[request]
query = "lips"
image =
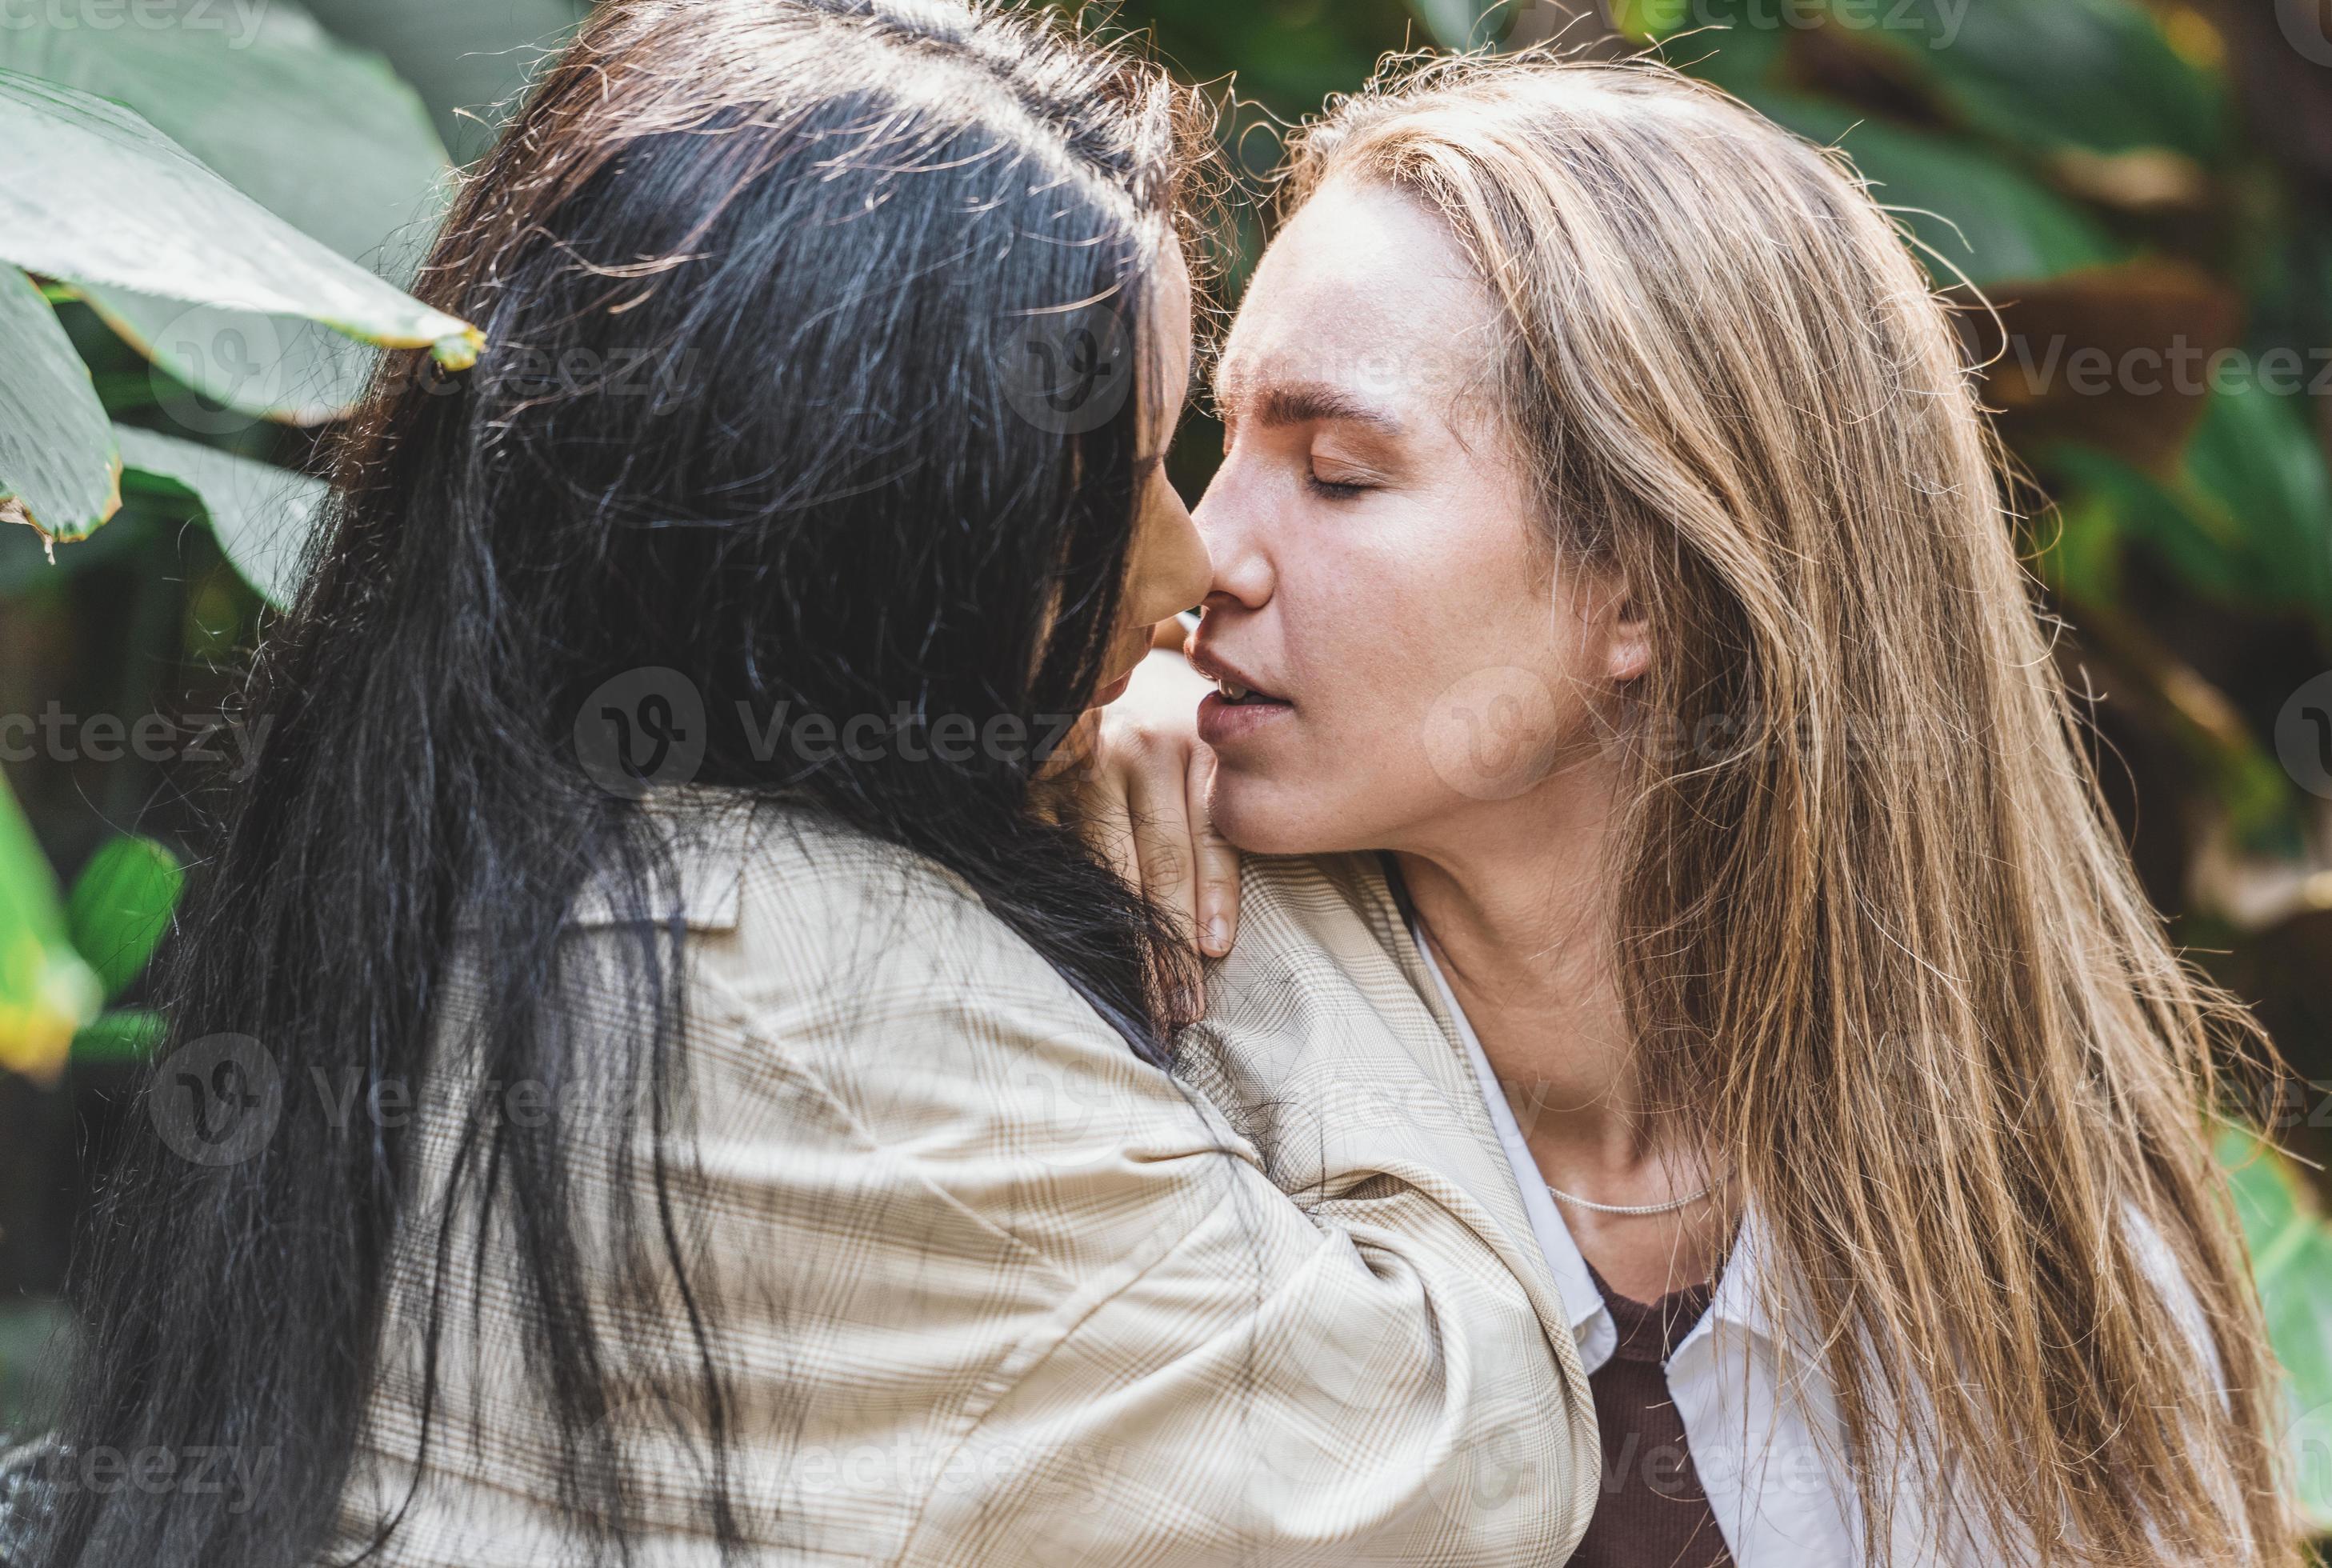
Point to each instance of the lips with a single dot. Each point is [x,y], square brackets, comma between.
[1234,686]
[1239,708]
[1224,724]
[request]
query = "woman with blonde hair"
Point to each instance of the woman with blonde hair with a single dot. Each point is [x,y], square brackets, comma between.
[1616,609]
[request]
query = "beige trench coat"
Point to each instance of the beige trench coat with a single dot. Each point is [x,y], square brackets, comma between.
[988,1290]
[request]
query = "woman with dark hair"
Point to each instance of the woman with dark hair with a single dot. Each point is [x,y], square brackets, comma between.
[648,1081]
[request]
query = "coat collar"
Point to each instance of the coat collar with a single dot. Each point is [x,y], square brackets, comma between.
[705,835]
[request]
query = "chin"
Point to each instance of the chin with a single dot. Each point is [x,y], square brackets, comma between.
[1273,817]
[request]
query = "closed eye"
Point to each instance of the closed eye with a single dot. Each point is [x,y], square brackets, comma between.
[1335,489]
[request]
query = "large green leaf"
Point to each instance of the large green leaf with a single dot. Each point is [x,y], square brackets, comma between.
[93,195]
[46,991]
[323,136]
[261,515]
[120,905]
[1982,216]
[57,463]
[2257,468]
[2101,75]
[468,58]
[2291,1260]
[2245,515]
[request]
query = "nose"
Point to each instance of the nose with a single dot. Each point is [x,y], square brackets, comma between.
[1229,518]
[1171,567]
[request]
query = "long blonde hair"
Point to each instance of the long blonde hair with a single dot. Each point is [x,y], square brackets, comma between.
[1875,917]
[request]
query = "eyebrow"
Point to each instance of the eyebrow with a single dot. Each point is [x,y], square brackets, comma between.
[1282,403]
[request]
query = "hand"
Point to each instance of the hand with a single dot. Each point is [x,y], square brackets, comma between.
[1140,798]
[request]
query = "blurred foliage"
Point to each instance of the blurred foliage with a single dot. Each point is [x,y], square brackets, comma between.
[2291,1259]
[205,216]
[120,906]
[2126,182]
[47,990]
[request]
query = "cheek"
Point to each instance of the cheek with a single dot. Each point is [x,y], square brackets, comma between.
[1432,679]
[1367,639]
[1406,625]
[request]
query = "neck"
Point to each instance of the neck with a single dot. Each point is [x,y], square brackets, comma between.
[1517,901]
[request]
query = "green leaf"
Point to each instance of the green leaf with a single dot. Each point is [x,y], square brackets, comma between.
[1981,216]
[2083,559]
[2291,1258]
[57,457]
[1649,19]
[261,515]
[2099,75]
[46,992]
[2256,469]
[124,1035]
[91,194]
[362,174]
[2245,516]
[2199,545]
[1451,21]
[120,906]
[323,136]
[468,58]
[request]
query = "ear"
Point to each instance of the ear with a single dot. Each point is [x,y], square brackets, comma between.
[1626,634]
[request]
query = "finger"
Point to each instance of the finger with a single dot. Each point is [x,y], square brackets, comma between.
[1161,837]
[1105,818]
[1215,859]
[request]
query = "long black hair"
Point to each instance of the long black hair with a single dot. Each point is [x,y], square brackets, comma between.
[800,317]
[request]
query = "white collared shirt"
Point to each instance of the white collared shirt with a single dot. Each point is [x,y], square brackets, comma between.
[1779,1495]
[1772,1490]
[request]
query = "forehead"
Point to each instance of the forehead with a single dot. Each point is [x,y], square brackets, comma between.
[1365,290]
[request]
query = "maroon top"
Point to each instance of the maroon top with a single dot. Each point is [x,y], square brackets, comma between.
[1650,1511]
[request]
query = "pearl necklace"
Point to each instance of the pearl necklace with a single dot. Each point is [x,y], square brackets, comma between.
[1669,1207]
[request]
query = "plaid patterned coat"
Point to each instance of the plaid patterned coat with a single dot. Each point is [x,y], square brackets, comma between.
[988,1290]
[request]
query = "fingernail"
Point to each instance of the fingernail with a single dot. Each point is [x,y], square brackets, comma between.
[1218,936]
